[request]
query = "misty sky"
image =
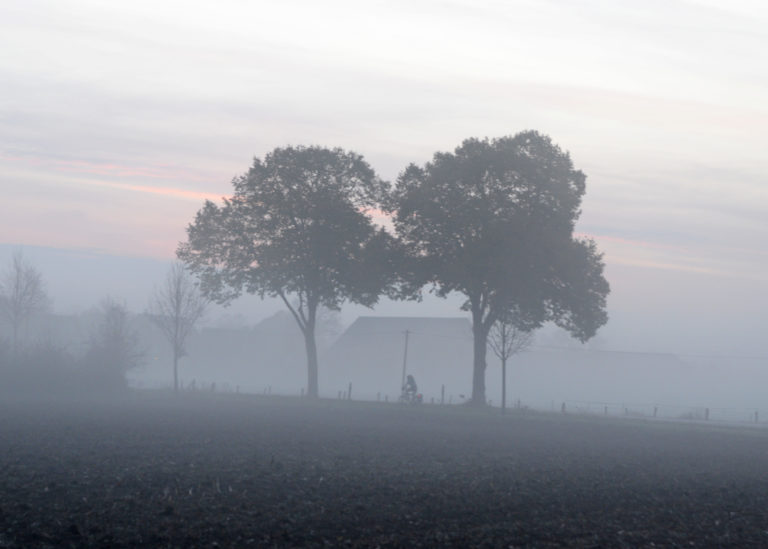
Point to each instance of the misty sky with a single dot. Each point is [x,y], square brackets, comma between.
[118,119]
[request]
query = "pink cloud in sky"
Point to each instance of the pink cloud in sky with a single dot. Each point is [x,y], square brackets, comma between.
[708,260]
[117,170]
[106,168]
[634,243]
[162,191]
[111,169]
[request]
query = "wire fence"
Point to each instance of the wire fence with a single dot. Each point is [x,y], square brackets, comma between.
[630,410]
[657,411]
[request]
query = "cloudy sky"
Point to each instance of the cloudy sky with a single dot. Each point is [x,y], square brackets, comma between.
[118,119]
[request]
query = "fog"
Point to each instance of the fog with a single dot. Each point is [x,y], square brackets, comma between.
[701,353]
[646,124]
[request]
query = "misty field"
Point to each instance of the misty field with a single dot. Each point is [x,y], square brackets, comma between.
[234,471]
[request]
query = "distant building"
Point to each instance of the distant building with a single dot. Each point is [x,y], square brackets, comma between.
[370,354]
[270,356]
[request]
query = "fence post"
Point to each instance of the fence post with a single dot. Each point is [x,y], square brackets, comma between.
[562,408]
[349,391]
[302,392]
[605,410]
[655,410]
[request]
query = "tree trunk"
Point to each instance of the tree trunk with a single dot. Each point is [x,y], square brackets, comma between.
[15,349]
[480,337]
[175,372]
[309,342]
[503,385]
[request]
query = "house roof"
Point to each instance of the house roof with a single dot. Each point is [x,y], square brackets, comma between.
[371,352]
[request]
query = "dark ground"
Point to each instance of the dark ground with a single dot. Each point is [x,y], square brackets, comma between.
[263,471]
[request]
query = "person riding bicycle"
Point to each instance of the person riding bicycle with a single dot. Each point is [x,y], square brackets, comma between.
[410,388]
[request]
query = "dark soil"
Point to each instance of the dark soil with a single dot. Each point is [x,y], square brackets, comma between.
[153,470]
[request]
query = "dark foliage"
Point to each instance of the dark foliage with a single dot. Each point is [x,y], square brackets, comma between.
[298,227]
[494,221]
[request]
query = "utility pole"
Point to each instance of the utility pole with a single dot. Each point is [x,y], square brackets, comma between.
[504,372]
[405,358]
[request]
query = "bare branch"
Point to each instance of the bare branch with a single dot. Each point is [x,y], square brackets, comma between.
[23,294]
[175,308]
[505,339]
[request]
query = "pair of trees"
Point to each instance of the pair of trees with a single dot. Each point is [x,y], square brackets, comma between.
[492,221]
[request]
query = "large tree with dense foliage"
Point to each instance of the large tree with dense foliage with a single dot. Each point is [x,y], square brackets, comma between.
[297,227]
[494,221]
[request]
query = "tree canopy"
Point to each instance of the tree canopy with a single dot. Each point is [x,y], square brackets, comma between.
[494,221]
[297,227]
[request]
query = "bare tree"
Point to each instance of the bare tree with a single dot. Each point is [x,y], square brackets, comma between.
[176,307]
[23,294]
[505,340]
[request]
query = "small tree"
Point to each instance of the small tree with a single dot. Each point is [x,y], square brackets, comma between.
[176,307]
[114,348]
[298,227]
[505,340]
[23,294]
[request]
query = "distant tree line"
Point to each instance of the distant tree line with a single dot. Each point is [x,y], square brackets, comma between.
[492,221]
[43,367]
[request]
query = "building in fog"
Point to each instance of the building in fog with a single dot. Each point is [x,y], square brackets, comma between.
[270,356]
[371,352]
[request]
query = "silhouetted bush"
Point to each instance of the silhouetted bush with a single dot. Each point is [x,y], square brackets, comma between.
[114,349]
[39,369]
[49,370]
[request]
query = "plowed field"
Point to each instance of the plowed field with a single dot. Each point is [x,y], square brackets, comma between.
[153,470]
